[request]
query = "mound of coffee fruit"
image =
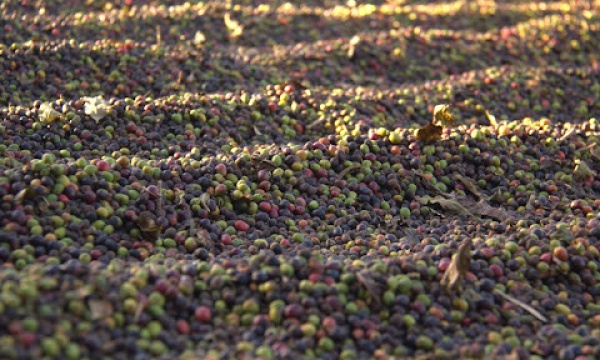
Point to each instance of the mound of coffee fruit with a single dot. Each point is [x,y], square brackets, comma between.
[299,180]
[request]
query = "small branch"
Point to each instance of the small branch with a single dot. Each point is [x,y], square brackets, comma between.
[347,170]
[524,306]
[315,123]
[567,135]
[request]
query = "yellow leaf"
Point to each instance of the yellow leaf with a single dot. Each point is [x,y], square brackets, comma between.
[234,27]
[441,115]
[100,309]
[429,133]
[582,170]
[491,118]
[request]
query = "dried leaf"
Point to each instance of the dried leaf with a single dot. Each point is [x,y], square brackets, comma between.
[296,84]
[491,118]
[471,185]
[429,133]
[582,170]
[234,27]
[595,153]
[24,194]
[482,208]
[530,203]
[521,304]
[96,107]
[204,198]
[138,311]
[539,348]
[199,38]
[221,70]
[11,157]
[158,36]
[47,114]
[204,238]
[497,197]
[352,46]
[316,123]
[190,79]
[100,309]
[147,225]
[443,116]
[373,288]
[348,170]
[514,355]
[83,292]
[270,163]
[458,268]
[450,205]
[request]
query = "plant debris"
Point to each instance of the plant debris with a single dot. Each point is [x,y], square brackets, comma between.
[429,133]
[521,304]
[374,289]
[100,309]
[582,170]
[433,131]
[471,185]
[448,204]
[458,268]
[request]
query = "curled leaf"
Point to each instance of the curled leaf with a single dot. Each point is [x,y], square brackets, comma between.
[24,194]
[491,118]
[234,27]
[458,268]
[199,38]
[530,203]
[47,114]
[204,198]
[595,153]
[471,185]
[204,238]
[352,48]
[373,288]
[429,133]
[582,170]
[348,170]
[145,221]
[226,72]
[179,196]
[450,205]
[443,116]
[100,309]
[96,107]
[482,208]
[296,84]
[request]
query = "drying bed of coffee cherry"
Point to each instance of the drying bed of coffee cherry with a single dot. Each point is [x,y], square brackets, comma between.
[246,180]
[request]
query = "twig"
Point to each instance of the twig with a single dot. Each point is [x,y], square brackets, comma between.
[347,170]
[315,123]
[138,312]
[524,306]
[565,136]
